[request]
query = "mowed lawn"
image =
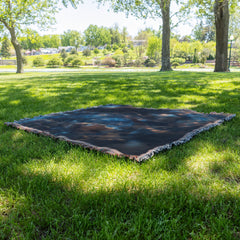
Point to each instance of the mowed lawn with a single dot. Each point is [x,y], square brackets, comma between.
[52,190]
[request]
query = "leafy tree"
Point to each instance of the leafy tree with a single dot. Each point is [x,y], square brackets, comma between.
[86,52]
[154,48]
[124,35]
[234,26]
[97,36]
[72,38]
[96,50]
[5,49]
[115,35]
[31,41]
[51,41]
[63,54]
[74,51]
[144,34]
[145,8]
[205,33]
[221,10]
[16,15]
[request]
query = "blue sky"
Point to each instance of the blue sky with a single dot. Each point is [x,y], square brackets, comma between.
[89,13]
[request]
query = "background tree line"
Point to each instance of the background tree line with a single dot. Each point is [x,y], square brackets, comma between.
[17,15]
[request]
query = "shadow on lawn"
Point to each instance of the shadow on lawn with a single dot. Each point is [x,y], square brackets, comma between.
[50,207]
[70,91]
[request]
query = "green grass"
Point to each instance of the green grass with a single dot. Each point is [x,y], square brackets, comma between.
[52,190]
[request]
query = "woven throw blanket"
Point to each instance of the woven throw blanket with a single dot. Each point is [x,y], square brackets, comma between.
[125,131]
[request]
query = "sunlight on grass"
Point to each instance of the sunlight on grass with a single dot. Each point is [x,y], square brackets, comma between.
[53,190]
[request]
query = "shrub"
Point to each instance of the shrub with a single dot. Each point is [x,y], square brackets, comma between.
[150,62]
[109,48]
[74,51]
[105,52]
[68,60]
[119,60]
[76,62]
[86,52]
[96,50]
[24,60]
[126,59]
[97,62]
[109,61]
[38,62]
[115,46]
[63,54]
[125,50]
[138,62]
[178,60]
[203,59]
[54,62]
[175,64]
[118,52]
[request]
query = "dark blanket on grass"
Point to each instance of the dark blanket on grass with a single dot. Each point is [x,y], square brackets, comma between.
[137,133]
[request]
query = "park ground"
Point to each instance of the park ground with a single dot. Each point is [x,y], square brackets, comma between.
[52,190]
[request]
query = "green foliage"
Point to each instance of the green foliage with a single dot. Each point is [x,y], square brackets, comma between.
[96,50]
[74,51]
[154,48]
[77,62]
[115,35]
[175,64]
[31,40]
[63,54]
[53,190]
[71,38]
[138,62]
[109,62]
[73,61]
[115,47]
[51,41]
[97,36]
[178,60]
[205,33]
[24,60]
[17,14]
[105,51]
[54,62]
[86,52]
[145,35]
[118,52]
[5,49]
[109,47]
[97,62]
[38,62]
[119,60]
[192,50]
[68,60]
[150,62]
[125,50]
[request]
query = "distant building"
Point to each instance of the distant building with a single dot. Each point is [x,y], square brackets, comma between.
[137,43]
[48,50]
[67,48]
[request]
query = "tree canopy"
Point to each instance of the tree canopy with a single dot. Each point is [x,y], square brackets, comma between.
[17,15]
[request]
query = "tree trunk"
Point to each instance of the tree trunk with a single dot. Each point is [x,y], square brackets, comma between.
[165,8]
[17,48]
[221,12]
